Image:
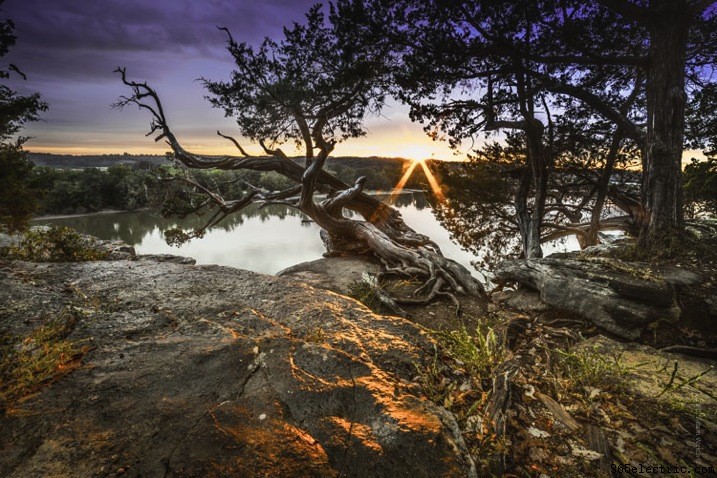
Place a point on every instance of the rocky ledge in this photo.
(211, 371)
(622, 298)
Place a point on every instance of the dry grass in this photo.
(27, 364)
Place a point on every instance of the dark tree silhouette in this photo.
(511, 58)
(18, 200)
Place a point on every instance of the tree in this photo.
(536, 52)
(700, 177)
(18, 200)
(314, 88)
(680, 38)
(465, 73)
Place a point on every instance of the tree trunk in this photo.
(443, 276)
(530, 222)
(591, 237)
(666, 98)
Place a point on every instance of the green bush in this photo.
(56, 244)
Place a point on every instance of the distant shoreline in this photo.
(103, 212)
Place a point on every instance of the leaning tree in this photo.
(314, 88)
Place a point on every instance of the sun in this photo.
(416, 152)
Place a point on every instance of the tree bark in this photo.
(530, 221)
(666, 99)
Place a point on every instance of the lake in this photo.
(263, 240)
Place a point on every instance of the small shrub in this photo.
(481, 352)
(56, 244)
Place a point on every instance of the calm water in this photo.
(263, 240)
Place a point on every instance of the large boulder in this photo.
(622, 298)
(212, 371)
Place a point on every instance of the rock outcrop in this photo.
(211, 371)
(334, 273)
(622, 298)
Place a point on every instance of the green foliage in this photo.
(176, 236)
(275, 181)
(65, 191)
(55, 244)
(480, 352)
(701, 124)
(315, 78)
(700, 186)
(18, 198)
(478, 210)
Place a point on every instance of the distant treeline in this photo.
(95, 161)
(128, 182)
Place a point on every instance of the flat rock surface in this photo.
(200, 371)
(650, 376)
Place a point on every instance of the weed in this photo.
(590, 368)
(479, 352)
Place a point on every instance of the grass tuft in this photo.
(38, 359)
(589, 368)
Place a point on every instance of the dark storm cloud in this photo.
(70, 38)
(69, 49)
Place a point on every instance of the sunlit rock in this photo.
(213, 371)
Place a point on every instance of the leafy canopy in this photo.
(317, 79)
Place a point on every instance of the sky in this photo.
(69, 49)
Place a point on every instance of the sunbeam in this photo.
(406, 176)
(432, 181)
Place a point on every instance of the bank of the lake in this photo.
(265, 240)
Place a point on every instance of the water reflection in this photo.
(259, 239)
